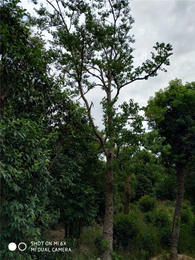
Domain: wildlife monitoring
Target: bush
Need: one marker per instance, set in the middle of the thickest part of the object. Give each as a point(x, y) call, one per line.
point(149, 217)
point(161, 219)
point(186, 240)
point(148, 241)
point(187, 216)
point(166, 188)
point(140, 254)
point(147, 203)
point(144, 187)
point(165, 237)
point(125, 229)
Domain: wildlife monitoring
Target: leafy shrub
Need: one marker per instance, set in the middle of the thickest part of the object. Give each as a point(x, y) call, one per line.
point(186, 240)
point(161, 219)
point(147, 203)
point(98, 244)
point(125, 229)
point(140, 254)
point(166, 188)
point(187, 234)
point(144, 187)
point(187, 216)
point(148, 241)
point(149, 217)
point(165, 237)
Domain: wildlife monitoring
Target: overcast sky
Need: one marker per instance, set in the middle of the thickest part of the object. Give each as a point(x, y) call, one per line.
point(168, 21)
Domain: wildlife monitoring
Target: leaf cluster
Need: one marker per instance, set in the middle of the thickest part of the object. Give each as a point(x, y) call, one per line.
point(172, 113)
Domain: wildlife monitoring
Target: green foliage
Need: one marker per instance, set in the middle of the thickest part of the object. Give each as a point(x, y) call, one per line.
point(144, 187)
point(172, 111)
point(44, 177)
point(161, 219)
point(25, 181)
point(147, 243)
point(186, 239)
point(149, 217)
point(190, 181)
point(166, 187)
point(92, 48)
point(78, 188)
point(147, 203)
point(125, 230)
point(116, 256)
point(24, 69)
point(50, 167)
point(187, 215)
point(165, 237)
point(151, 237)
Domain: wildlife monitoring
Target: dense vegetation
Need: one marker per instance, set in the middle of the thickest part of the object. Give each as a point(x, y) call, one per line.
point(54, 158)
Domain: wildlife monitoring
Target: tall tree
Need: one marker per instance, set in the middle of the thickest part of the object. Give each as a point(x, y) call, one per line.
point(172, 113)
point(26, 96)
point(25, 156)
point(93, 48)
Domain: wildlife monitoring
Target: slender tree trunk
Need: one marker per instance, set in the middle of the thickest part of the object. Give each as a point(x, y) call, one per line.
point(109, 203)
point(109, 209)
point(127, 189)
point(177, 213)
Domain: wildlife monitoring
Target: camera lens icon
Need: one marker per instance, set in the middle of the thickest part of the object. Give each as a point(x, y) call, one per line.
point(21, 246)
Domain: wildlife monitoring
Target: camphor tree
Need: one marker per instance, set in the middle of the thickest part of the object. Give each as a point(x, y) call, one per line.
point(172, 113)
point(92, 46)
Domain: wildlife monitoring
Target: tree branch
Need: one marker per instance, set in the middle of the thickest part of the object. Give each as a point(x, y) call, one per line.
point(140, 78)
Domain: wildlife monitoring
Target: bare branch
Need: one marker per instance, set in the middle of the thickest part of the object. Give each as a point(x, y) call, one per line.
point(59, 12)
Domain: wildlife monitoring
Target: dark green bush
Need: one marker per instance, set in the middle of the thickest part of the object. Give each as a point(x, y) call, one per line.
point(148, 241)
point(125, 229)
point(165, 237)
point(166, 188)
point(186, 240)
point(140, 254)
point(144, 187)
point(147, 203)
point(98, 244)
point(187, 230)
point(161, 219)
point(148, 217)
point(187, 216)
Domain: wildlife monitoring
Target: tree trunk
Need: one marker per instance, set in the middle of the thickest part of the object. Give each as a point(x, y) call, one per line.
point(127, 195)
point(177, 213)
point(109, 209)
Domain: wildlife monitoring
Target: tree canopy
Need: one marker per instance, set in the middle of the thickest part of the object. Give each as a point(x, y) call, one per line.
point(172, 113)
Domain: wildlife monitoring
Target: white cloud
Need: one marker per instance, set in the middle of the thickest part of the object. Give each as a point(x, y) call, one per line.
point(169, 22)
